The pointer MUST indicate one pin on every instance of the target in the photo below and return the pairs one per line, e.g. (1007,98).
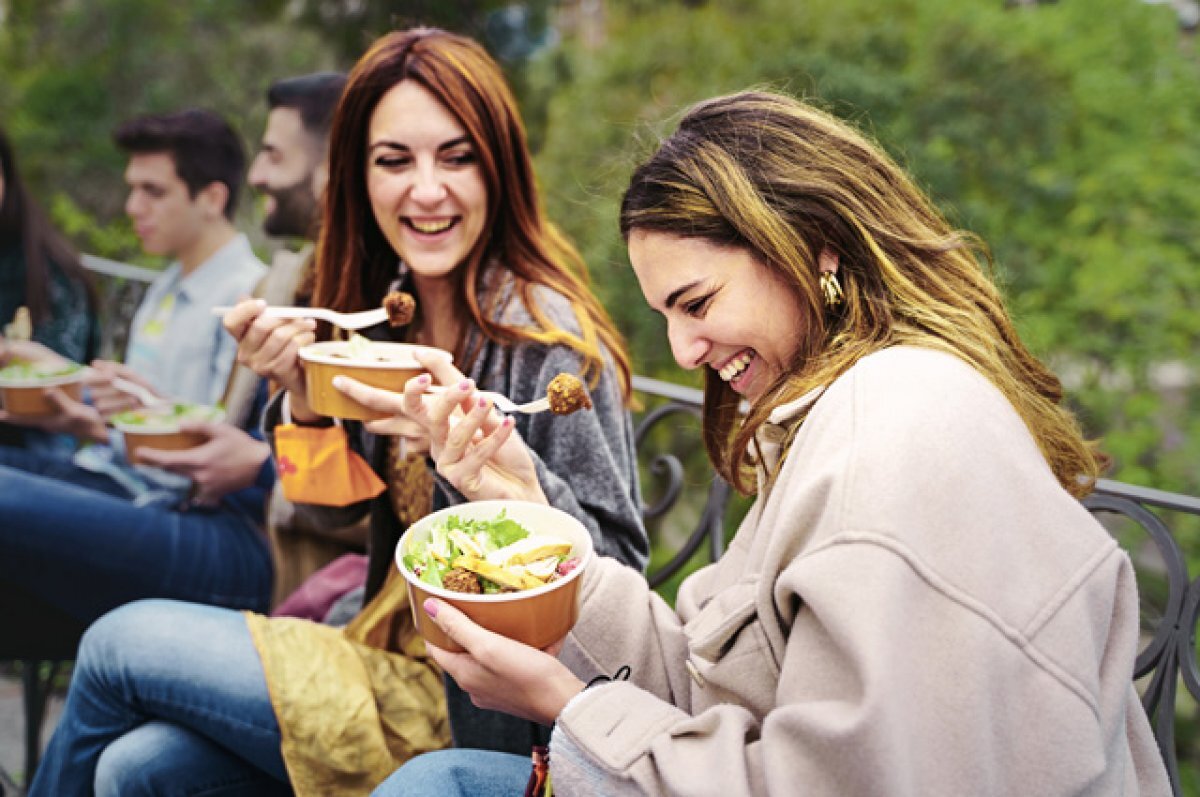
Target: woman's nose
(428,185)
(688,348)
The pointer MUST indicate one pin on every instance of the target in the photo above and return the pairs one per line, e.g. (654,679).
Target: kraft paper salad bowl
(158,427)
(23,385)
(379,364)
(536,614)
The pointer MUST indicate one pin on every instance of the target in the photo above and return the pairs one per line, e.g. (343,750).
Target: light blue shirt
(175,341)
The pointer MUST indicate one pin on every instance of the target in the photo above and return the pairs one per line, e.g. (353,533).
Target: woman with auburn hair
(430,192)
(916,603)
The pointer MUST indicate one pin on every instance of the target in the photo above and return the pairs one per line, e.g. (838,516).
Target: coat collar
(775,433)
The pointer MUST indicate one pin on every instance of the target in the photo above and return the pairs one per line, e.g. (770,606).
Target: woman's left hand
(500,674)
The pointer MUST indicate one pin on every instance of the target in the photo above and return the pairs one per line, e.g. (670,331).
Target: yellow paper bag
(315,465)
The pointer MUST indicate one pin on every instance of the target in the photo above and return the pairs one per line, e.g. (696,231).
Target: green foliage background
(1066,134)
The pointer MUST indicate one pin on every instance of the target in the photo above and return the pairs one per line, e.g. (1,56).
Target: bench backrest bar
(1170,655)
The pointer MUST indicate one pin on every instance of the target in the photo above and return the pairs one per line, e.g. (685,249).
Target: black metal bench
(1170,599)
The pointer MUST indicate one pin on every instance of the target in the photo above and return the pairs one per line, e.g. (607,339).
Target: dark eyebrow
(451,144)
(454,143)
(675,294)
(385,143)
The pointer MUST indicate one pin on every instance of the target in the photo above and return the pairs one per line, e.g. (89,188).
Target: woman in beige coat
(916,604)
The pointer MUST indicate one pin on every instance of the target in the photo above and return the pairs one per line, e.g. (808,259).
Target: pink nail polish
(482,403)
(430,606)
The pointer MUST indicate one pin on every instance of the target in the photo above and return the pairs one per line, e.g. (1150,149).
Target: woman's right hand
(473,447)
(270,346)
(479,451)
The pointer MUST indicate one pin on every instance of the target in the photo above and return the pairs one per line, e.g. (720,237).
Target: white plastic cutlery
(143,395)
(359,320)
(502,402)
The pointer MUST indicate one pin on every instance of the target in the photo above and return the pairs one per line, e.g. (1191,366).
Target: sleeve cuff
(615,723)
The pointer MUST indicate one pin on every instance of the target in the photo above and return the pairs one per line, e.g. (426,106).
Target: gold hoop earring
(831,289)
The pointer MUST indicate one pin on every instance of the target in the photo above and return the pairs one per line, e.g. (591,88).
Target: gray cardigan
(585,463)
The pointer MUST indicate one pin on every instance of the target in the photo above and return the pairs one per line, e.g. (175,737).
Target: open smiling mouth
(431,227)
(736,366)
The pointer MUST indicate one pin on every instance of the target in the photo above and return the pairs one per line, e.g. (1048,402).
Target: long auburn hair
(355,262)
(25,225)
(785,180)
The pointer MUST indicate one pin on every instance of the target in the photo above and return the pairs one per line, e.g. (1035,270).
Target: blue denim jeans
(166,698)
(75,539)
(459,773)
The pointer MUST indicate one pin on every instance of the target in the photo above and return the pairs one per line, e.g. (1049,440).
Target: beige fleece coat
(914,607)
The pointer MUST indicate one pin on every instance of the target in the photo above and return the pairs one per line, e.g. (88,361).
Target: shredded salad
(488,556)
(167,415)
(25,370)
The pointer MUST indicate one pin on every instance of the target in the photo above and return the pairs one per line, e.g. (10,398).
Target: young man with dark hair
(203,149)
(87,535)
(290,168)
(290,172)
(185,173)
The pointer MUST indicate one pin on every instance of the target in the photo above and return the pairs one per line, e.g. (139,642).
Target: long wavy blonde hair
(786,180)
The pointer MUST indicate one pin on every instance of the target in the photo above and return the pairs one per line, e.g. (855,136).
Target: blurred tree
(510,30)
(1066,135)
(75,70)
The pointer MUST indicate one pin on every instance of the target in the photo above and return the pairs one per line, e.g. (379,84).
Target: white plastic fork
(501,401)
(359,320)
(143,395)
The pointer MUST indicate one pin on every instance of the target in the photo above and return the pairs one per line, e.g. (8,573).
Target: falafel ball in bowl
(513,567)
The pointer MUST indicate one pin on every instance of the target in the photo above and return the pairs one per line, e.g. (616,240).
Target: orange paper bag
(315,465)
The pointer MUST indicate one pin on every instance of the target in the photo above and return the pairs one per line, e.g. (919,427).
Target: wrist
(570,688)
(262,453)
(92,429)
(299,409)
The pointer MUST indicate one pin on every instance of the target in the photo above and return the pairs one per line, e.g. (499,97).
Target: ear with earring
(831,289)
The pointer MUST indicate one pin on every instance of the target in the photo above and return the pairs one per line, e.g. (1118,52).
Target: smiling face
(284,172)
(426,187)
(724,308)
(165,217)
